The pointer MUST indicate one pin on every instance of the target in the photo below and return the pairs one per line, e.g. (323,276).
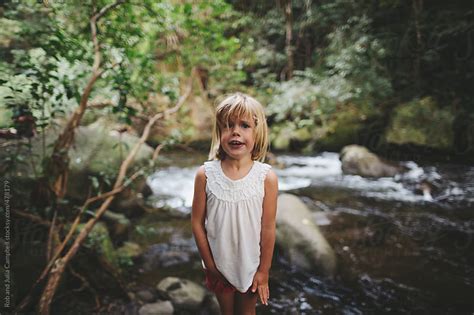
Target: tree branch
(58,164)
(107,8)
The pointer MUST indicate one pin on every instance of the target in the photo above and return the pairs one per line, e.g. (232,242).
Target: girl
(234,207)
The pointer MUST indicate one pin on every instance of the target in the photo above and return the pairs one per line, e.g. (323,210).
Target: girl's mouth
(236,143)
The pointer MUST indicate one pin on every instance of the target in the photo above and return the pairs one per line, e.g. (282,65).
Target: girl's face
(237,138)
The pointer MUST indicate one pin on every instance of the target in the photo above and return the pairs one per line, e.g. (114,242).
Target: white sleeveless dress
(233,221)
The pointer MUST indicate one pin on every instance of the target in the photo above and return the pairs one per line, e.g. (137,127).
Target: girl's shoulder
(263,169)
(200,175)
(271,178)
(264,166)
(211,167)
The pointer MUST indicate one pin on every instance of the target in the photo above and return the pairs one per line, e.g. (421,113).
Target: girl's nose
(235,128)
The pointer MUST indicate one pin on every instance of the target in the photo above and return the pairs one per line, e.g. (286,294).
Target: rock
(162,255)
(300,238)
(130,250)
(99,151)
(213,305)
(130,203)
(120,222)
(421,122)
(146,296)
(358,160)
(343,128)
(99,148)
(95,157)
(99,240)
(165,255)
(183,293)
(158,308)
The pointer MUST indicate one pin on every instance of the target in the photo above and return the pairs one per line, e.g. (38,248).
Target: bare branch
(107,8)
(157,151)
(146,132)
(51,233)
(32,217)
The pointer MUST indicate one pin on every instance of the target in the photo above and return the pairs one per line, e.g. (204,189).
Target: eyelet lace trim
(235,190)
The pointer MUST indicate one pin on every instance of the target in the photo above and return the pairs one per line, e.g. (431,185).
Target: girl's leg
(245,303)
(226,302)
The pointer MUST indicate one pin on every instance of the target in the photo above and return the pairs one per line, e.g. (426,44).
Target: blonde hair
(240,105)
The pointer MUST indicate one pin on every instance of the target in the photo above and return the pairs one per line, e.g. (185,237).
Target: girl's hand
(260,283)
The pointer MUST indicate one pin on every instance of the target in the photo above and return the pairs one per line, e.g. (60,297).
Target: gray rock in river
(158,308)
(146,296)
(213,304)
(300,237)
(129,250)
(184,294)
(358,160)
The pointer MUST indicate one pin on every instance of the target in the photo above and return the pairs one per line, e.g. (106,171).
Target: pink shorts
(216,285)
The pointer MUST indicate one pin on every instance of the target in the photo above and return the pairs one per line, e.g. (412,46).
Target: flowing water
(399,249)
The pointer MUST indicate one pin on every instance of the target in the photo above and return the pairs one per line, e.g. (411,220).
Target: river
(399,250)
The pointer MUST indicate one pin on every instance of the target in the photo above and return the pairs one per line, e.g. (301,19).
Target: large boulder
(300,238)
(358,160)
(184,294)
(95,158)
(99,151)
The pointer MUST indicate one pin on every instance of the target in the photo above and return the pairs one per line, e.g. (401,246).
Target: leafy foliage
(347,54)
(350,73)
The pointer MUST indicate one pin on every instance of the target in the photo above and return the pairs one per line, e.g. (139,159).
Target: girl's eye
(244,125)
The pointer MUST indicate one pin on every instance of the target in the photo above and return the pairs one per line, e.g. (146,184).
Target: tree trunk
(417,9)
(288,39)
(56,170)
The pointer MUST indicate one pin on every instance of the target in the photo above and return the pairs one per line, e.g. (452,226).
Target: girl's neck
(237,164)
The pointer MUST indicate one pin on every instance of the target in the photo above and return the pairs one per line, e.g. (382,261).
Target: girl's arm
(198,217)
(267,237)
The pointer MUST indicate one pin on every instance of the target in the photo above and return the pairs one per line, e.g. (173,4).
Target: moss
(421,122)
(280,137)
(344,127)
(129,250)
(302,134)
(100,241)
